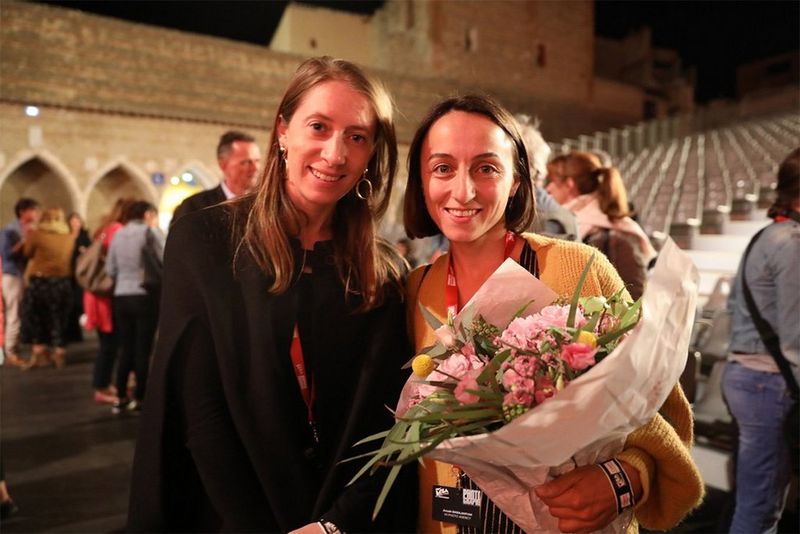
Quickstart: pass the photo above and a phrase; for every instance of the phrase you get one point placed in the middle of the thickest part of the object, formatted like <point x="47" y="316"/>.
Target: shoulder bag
<point x="90" y="269"/>
<point x="153" y="266"/>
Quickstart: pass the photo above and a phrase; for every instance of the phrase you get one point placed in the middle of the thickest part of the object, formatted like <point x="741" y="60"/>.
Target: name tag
<point x="457" y="505"/>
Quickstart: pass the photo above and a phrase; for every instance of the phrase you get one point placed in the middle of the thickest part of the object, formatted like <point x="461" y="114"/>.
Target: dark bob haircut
<point x="520" y="210"/>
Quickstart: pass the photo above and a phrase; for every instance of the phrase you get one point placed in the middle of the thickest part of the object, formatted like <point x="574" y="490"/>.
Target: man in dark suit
<point x="238" y="157"/>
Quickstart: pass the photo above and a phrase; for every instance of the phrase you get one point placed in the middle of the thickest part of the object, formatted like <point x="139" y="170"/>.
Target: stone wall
<point x="123" y="104"/>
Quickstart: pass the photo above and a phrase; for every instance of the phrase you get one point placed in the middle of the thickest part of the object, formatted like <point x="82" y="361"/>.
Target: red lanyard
<point x="309" y="394"/>
<point x="451" y="285"/>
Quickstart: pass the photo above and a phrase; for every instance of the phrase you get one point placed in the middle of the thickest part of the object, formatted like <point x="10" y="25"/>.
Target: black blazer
<point x="198" y="201"/>
<point x="224" y="442"/>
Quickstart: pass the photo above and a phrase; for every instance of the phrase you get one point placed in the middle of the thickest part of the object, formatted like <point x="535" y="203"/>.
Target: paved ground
<point x="68" y="459"/>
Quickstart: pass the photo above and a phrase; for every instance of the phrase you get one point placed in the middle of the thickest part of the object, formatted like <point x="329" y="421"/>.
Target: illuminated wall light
<point x="31" y="111"/>
<point x="174" y="180"/>
<point x="187" y="177"/>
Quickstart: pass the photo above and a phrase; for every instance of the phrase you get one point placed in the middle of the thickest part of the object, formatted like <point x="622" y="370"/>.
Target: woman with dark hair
<point x="759" y="393"/>
<point x="469" y="179"/>
<point x="596" y="194"/>
<point x="282" y="333"/>
<point x="81" y="237"/>
<point x="135" y="309"/>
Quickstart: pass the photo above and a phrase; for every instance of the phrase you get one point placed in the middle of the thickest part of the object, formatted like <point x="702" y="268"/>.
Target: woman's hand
<point x="311" y="528"/>
<point x="582" y="500"/>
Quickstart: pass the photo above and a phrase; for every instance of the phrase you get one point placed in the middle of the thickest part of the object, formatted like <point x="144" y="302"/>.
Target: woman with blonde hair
<point x="48" y="295"/>
<point x="597" y="196"/>
<point x="282" y="332"/>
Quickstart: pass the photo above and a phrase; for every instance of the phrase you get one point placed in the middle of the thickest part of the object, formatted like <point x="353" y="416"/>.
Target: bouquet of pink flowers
<point x="491" y="393"/>
<point x="509" y="369"/>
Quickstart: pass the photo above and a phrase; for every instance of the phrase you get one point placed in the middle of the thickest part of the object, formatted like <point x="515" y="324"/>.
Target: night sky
<point x="714" y="36"/>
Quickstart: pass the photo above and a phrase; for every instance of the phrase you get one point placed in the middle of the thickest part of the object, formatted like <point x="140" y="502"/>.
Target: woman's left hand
<point x="311" y="528"/>
<point x="582" y="500"/>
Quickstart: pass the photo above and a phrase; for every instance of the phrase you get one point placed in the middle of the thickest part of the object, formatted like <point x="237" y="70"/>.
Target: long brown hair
<point x="590" y="176"/>
<point x="117" y="214"/>
<point x="366" y="266"/>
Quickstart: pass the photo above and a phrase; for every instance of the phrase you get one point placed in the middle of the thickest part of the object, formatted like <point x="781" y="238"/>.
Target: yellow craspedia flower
<point x="422" y="365"/>
<point x="587" y="338"/>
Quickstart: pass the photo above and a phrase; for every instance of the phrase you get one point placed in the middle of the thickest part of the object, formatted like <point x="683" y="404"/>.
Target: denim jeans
<point x="759" y="402"/>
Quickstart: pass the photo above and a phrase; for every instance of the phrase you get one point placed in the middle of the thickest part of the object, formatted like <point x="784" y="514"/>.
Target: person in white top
<point x="597" y="196"/>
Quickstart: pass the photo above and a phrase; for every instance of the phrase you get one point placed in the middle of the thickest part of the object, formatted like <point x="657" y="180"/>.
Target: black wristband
<point x="620" y="484"/>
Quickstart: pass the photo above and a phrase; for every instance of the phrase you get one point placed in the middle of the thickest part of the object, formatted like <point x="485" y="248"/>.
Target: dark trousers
<point x="136" y="317"/>
<point x="106" y="357"/>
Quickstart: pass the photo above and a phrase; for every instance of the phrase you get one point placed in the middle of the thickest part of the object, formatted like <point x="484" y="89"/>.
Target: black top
<point x="224" y="442"/>
<point x="198" y="201"/>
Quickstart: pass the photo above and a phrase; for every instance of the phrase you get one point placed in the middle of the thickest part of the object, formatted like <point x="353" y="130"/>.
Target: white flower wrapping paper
<point x="588" y="421"/>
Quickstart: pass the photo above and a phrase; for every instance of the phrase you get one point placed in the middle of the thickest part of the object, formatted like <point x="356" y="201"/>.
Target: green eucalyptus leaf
<point x="573" y="308"/>
<point x="430" y="318"/>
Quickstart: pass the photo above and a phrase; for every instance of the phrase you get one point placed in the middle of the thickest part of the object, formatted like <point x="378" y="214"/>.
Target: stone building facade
<point x="93" y="108"/>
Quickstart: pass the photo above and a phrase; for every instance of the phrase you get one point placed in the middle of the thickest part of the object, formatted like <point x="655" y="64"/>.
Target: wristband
<point x="329" y="527"/>
<point x="620" y="484"/>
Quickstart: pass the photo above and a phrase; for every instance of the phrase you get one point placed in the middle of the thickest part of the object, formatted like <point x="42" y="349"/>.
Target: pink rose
<point x="468" y="382"/>
<point x="578" y="355"/>
<point x="556" y="316"/>
<point x="456" y="366"/>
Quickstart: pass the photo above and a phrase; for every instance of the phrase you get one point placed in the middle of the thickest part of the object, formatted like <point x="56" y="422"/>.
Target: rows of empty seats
<point x="695" y="183"/>
<point x="708" y="190"/>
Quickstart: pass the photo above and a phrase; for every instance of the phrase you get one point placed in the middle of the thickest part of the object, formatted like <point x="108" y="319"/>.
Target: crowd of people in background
<point x="46" y="306"/>
<point x="301" y="239"/>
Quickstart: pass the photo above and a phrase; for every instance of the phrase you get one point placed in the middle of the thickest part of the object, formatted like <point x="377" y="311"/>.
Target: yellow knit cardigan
<point x="659" y="450"/>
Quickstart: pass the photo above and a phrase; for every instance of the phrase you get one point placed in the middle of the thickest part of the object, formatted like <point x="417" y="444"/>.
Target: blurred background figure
<point x="81" y="237"/>
<point x="597" y="196"/>
<point x="760" y="394"/>
<point x="27" y="213"/>
<point x="7" y="506"/>
<point x="135" y="310"/>
<point x="48" y="294"/>
<point x="406" y="249"/>
<point x="238" y="156"/>
<point x="99" y="315"/>
<point x="552" y="219"/>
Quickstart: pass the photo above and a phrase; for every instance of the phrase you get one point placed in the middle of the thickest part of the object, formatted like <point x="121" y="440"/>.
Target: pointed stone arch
<point x="118" y="178"/>
<point x="41" y="175"/>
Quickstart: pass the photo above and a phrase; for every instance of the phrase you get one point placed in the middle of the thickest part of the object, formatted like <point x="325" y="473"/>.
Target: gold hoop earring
<point x="358" y="188"/>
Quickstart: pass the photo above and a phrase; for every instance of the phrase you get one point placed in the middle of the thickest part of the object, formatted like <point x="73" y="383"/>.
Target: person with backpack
<point x="596" y="194"/>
